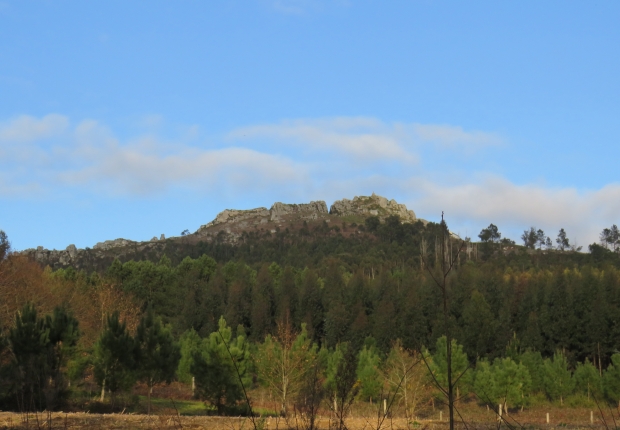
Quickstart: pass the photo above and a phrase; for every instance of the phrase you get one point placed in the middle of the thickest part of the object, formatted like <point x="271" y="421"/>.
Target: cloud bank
<point x="296" y="160"/>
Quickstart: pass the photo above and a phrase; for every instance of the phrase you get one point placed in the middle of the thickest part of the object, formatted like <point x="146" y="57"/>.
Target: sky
<point x="133" y="119"/>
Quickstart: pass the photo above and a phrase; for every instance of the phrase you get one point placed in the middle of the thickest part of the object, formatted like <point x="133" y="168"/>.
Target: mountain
<point x="229" y="227"/>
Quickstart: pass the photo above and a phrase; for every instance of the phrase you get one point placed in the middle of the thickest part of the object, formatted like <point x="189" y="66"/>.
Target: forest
<point x="321" y="317"/>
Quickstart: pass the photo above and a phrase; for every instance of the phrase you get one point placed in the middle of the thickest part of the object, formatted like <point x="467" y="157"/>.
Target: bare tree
<point x="405" y="378"/>
<point x="446" y="264"/>
<point x="284" y="360"/>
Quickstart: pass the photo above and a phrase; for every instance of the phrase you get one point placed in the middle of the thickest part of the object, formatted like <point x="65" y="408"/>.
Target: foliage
<point x="40" y="349"/>
<point x="588" y="380"/>
<point x="368" y="373"/>
<point x="611" y="380"/>
<point x="406" y="378"/>
<point x="503" y="382"/>
<point x="189" y="345"/>
<point x="283" y="362"/>
<point x="557" y="379"/>
<point x="114" y="357"/>
<point x="157" y="355"/>
<point x="221" y="367"/>
<point x="460" y="364"/>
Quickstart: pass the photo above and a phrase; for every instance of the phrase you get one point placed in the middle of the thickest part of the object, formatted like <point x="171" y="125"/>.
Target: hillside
<point x="233" y="227"/>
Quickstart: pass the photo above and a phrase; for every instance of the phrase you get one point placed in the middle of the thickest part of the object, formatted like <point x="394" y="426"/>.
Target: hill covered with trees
<point x="345" y="303"/>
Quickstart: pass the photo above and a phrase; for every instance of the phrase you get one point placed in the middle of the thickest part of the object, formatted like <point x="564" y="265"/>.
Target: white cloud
<point x="451" y="136"/>
<point x="90" y="158"/>
<point x="517" y="207"/>
<point x="27" y="128"/>
<point x="367" y="138"/>
<point x="360" y="138"/>
<point x="98" y="161"/>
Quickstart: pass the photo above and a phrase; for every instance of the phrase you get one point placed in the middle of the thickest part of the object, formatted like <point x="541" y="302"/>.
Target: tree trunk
<point x="149" y="396"/>
<point x="102" y="392"/>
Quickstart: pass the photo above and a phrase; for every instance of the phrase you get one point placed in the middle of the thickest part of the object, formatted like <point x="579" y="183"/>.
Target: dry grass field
<point x="167" y="418"/>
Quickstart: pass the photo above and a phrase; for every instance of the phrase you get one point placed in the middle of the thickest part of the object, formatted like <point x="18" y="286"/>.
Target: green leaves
<point x="611" y="379"/>
<point x="220" y="367"/>
<point x="503" y="382"/>
<point x="157" y="355"/>
<point x="557" y="379"/>
<point x="369" y="373"/>
<point x="40" y="347"/>
<point x="114" y="356"/>
<point x="439" y="364"/>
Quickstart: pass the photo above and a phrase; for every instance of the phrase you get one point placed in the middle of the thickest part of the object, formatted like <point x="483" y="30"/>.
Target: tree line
<point x="358" y="304"/>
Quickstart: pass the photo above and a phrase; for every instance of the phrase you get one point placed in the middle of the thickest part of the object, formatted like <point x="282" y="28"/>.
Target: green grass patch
<point x="185" y="407"/>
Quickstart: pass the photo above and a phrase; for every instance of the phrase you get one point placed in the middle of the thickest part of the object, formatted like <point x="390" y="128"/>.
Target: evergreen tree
<point x="368" y="373"/>
<point x="114" y="357"/>
<point x="189" y="344"/>
<point x="512" y="382"/>
<point x="221" y="367"/>
<point x="157" y="353"/>
<point x="460" y="365"/>
<point x="557" y="379"/>
<point x="484" y="385"/>
<point x="40" y="349"/>
<point x="535" y="365"/>
<point x="611" y="380"/>
<point x="341" y="381"/>
<point x="479" y="327"/>
<point x="588" y="380"/>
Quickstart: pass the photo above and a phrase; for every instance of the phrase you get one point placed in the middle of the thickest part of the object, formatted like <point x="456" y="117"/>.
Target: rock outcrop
<point x="229" y="216"/>
<point x="109" y="244"/>
<point x="372" y="206"/>
<point x="253" y="217"/>
<point x="229" y="226"/>
<point x="309" y="211"/>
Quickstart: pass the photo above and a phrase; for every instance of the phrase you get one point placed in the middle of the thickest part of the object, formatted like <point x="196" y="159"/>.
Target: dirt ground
<point x="477" y="418"/>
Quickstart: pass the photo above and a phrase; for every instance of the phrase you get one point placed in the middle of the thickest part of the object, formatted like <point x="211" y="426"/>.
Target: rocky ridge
<point x="372" y="206"/>
<point x="229" y="225"/>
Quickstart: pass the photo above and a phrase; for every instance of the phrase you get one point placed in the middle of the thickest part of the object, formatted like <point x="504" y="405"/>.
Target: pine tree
<point x="611" y="380"/>
<point x="157" y="353"/>
<point x="114" y="357"/>
<point x="189" y="344"/>
<point x="460" y="364"/>
<point x="221" y="367"/>
<point x="557" y="379"/>
<point x="368" y="373"/>
<point x="588" y="380"/>
<point x="40" y="348"/>
<point x="512" y="382"/>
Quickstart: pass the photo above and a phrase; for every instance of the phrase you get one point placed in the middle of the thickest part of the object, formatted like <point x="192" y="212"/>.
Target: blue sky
<point x="132" y="119"/>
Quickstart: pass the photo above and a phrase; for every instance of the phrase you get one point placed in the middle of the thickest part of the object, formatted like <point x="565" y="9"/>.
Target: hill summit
<point x="229" y="227"/>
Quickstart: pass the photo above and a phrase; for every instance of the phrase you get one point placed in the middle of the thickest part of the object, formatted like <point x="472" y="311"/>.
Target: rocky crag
<point x="372" y="206"/>
<point x="229" y="226"/>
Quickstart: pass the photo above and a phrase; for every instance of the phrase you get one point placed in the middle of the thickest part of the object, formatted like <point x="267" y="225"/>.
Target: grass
<point x="189" y="408"/>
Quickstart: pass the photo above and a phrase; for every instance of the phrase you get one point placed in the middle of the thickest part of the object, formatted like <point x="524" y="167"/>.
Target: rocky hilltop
<point x="228" y="227"/>
<point x="372" y="206"/>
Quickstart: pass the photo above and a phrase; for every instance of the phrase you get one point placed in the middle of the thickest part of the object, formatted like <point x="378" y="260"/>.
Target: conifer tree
<point x="368" y="373"/>
<point x="588" y="380"/>
<point x="611" y="380"/>
<point x="40" y="348"/>
<point x="189" y="344"/>
<point x="157" y="353"/>
<point x="114" y="357"/>
<point x="220" y="368"/>
<point x="557" y="379"/>
<point x="460" y="364"/>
